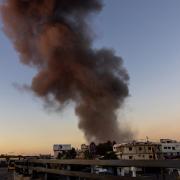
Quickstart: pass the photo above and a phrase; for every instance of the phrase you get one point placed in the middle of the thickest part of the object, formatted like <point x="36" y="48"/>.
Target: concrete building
<point x="81" y="152"/>
<point x="84" y="147"/>
<point x="170" y="148"/>
<point x="138" y="151"/>
<point x="60" y="148"/>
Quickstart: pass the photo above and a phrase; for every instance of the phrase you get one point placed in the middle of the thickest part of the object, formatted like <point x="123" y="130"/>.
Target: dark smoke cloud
<point x="53" y="36"/>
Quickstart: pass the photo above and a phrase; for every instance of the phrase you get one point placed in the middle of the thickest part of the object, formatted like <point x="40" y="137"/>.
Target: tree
<point x="103" y="148"/>
<point x="71" y="154"/>
<point x="110" y="155"/>
<point x="88" y="155"/>
<point x="60" y="155"/>
<point x="93" y="150"/>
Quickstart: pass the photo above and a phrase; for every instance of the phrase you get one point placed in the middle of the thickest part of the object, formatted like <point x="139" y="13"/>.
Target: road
<point x="5" y="175"/>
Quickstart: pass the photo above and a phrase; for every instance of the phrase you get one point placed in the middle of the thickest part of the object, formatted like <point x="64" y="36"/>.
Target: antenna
<point x="147" y="138"/>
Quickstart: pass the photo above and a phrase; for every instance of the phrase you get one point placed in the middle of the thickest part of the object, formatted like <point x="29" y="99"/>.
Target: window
<point x="149" y="148"/>
<point x="173" y="148"/>
<point x="130" y="148"/>
<point x="169" y="147"/>
<point x="130" y="157"/>
<point x="165" y="147"/>
<point x="150" y="157"/>
<point x="140" y="148"/>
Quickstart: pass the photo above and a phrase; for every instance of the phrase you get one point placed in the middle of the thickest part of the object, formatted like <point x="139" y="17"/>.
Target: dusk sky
<point x="146" y="34"/>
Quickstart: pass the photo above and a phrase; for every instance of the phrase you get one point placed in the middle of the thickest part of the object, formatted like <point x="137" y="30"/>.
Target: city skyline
<point x="146" y="35"/>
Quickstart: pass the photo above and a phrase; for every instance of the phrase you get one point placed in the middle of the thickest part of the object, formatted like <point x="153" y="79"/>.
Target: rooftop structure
<point x="60" y="148"/>
<point x="138" y="150"/>
<point x="84" y="147"/>
<point x="170" y="148"/>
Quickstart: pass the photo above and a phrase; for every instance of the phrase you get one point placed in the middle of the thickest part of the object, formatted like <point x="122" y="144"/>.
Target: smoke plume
<point x="54" y="37"/>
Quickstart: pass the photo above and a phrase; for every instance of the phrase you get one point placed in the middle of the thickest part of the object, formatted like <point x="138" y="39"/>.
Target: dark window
<point x="177" y="153"/>
<point x="140" y="148"/>
<point x="165" y="147"/>
<point x="130" y="157"/>
<point x="169" y="147"/>
<point x="130" y="148"/>
<point x="149" y="148"/>
<point x="173" y="148"/>
<point x="150" y="157"/>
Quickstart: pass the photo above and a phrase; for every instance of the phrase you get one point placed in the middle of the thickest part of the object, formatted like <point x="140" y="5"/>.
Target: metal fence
<point x="87" y="169"/>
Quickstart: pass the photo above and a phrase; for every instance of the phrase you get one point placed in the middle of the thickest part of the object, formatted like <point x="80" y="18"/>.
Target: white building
<point x="170" y="148"/>
<point x="138" y="150"/>
<point x="60" y="148"/>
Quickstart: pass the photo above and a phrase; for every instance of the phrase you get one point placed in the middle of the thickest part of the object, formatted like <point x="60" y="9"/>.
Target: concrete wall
<point x="21" y="177"/>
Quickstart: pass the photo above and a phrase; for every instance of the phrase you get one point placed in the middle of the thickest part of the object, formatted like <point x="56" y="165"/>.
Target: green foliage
<point x="88" y="155"/>
<point x="71" y="154"/>
<point x="103" y="148"/>
<point x="110" y="155"/>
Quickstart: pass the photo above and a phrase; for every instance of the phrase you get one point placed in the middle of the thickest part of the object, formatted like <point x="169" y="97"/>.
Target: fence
<point x="94" y="169"/>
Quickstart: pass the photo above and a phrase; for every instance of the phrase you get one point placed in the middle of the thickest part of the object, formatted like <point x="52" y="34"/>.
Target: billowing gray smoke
<point x="53" y="36"/>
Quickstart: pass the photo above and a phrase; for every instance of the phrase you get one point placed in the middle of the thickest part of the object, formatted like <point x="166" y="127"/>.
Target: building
<point x="81" y="152"/>
<point x="170" y="148"/>
<point x="60" y="149"/>
<point x="84" y="147"/>
<point x="138" y="151"/>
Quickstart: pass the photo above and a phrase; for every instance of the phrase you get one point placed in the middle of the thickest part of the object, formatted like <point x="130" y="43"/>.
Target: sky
<point x="146" y="34"/>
